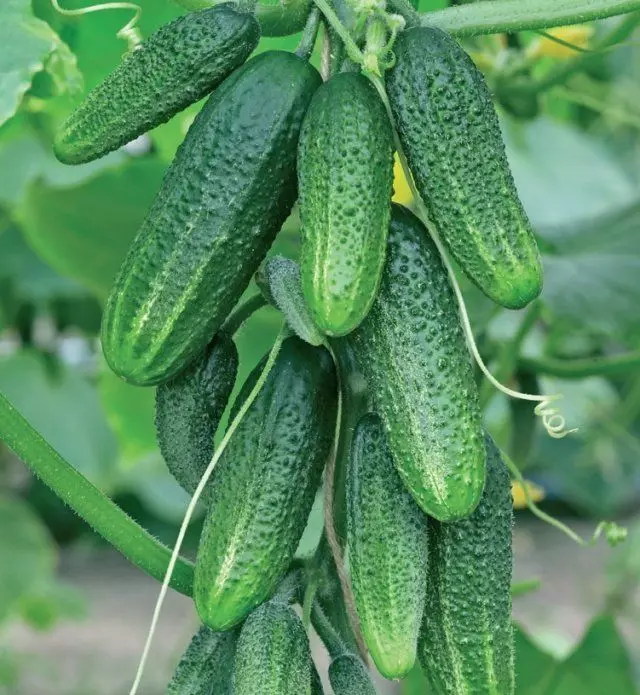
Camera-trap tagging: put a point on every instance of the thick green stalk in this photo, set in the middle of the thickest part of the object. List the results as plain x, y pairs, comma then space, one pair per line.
581, 368
92, 505
498, 16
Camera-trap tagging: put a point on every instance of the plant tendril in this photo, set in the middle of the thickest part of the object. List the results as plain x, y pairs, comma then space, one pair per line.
129, 33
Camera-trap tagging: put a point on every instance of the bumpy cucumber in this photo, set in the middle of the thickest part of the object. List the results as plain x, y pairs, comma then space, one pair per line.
345, 178
466, 644
387, 540
206, 667
262, 491
189, 408
412, 352
451, 136
226, 195
273, 656
175, 67
348, 676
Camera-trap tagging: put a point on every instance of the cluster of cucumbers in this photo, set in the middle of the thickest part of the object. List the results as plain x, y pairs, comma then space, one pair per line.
375, 372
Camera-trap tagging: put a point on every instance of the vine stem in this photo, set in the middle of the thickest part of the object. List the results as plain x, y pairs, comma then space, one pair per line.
196, 496
581, 368
332, 18
552, 420
88, 502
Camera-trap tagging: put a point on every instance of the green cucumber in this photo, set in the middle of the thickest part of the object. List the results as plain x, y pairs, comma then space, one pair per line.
450, 134
412, 352
176, 66
345, 178
206, 667
263, 488
466, 645
226, 195
189, 408
273, 655
387, 541
348, 676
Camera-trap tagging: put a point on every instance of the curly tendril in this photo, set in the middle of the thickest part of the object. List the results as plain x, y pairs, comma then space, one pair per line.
130, 32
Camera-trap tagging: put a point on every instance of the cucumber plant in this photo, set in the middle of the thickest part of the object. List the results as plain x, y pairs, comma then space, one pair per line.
369, 394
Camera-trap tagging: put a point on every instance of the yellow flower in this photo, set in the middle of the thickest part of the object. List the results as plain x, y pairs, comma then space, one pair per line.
536, 493
401, 190
578, 35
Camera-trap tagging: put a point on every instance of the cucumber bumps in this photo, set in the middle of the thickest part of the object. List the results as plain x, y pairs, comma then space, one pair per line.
451, 136
345, 175
466, 646
412, 352
226, 195
262, 491
175, 67
387, 540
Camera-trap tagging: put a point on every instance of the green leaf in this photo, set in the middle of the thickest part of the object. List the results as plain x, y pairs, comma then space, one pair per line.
64, 407
497, 16
84, 231
27, 553
26, 43
534, 668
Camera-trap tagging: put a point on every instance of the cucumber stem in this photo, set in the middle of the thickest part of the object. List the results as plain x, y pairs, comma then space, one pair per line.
90, 503
309, 35
196, 496
332, 18
243, 313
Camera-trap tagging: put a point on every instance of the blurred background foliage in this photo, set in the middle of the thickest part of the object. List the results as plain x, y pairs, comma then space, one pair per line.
572, 126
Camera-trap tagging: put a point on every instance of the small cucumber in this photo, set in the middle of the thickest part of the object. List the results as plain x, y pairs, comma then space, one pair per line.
348, 676
206, 667
450, 134
223, 200
345, 178
387, 541
412, 352
262, 490
176, 66
467, 644
189, 408
273, 655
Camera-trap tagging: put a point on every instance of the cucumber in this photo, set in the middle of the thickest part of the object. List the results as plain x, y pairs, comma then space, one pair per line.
263, 488
206, 667
412, 353
176, 66
348, 676
387, 541
450, 134
223, 200
467, 645
189, 408
345, 179
273, 656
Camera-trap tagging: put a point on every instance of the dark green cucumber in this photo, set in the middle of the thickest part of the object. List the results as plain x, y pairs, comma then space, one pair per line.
412, 352
345, 178
189, 408
451, 136
387, 541
273, 656
176, 66
348, 676
263, 488
206, 667
466, 645
226, 195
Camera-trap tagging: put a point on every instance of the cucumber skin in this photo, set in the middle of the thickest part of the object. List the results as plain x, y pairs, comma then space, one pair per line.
412, 352
450, 133
176, 66
221, 204
466, 645
387, 540
264, 486
206, 667
189, 408
273, 655
345, 179
348, 676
